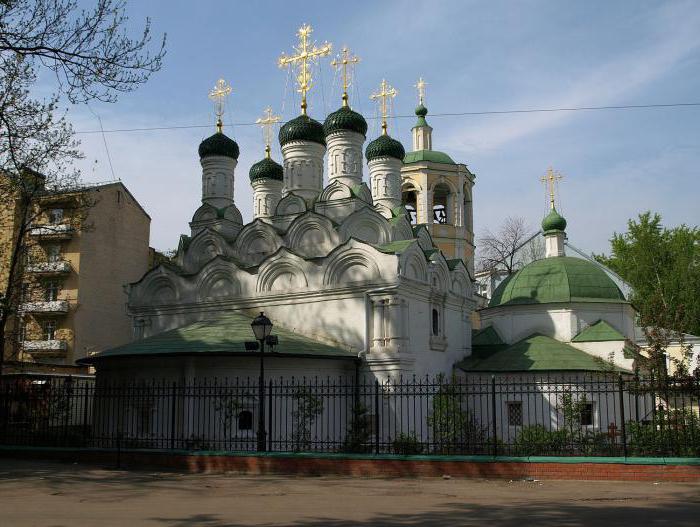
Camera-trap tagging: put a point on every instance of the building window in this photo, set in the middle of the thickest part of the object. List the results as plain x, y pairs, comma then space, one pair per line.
586, 416
436, 322
53, 253
51, 289
48, 329
409, 201
245, 420
441, 203
515, 413
55, 216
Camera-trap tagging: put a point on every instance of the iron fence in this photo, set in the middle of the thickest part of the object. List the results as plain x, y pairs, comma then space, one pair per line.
519, 415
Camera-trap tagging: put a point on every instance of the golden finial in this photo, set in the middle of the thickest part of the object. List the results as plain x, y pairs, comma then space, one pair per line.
266, 122
420, 86
385, 92
306, 53
551, 180
341, 62
218, 94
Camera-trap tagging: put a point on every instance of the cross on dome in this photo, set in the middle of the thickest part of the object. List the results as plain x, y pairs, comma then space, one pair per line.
551, 180
341, 63
305, 54
385, 93
218, 94
266, 122
420, 86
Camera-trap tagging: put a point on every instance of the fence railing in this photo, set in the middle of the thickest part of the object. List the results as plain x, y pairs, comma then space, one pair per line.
475, 415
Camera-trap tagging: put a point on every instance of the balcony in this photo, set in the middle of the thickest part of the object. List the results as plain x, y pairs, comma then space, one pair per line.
44, 345
50, 268
53, 307
54, 231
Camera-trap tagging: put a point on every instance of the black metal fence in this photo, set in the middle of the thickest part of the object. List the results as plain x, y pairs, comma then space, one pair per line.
525, 415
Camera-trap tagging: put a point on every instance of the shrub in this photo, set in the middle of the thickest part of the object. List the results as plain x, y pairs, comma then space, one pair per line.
407, 445
536, 440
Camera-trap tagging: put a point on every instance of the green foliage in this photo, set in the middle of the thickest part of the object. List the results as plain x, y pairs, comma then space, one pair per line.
307, 408
663, 267
670, 433
407, 445
454, 429
357, 439
536, 440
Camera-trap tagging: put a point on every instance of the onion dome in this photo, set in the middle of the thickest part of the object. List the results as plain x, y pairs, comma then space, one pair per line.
421, 112
555, 280
553, 222
345, 119
266, 169
385, 146
302, 128
219, 145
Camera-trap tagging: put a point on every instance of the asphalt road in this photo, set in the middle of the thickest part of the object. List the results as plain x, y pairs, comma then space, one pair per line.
37, 493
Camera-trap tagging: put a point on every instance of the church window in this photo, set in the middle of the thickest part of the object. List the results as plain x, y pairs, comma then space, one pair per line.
586, 416
245, 420
441, 200
515, 413
409, 201
436, 322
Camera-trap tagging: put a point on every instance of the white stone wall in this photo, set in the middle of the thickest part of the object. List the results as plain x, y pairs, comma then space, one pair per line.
217, 180
303, 168
385, 182
266, 195
345, 157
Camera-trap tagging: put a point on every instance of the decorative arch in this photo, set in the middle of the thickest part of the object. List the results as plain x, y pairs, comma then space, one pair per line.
424, 238
461, 282
439, 273
312, 235
412, 263
204, 247
255, 242
159, 289
205, 212
283, 271
218, 282
367, 225
443, 206
290, 204
401, 229
350, 264
363, 192
335, 191
410, 191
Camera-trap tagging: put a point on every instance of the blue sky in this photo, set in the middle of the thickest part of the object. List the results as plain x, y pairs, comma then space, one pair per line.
475, 56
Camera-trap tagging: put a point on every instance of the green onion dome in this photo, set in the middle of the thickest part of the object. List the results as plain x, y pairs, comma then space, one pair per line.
553, 222
384, 146
345, 119
266, 169
219, 145
421, 110
302, 128
556, 280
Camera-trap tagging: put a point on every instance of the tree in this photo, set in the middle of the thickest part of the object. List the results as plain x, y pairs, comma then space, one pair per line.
510, 248
92, 57
663, 267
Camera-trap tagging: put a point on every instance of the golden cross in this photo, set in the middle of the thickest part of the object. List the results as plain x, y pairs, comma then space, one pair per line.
420, 86
306, 53
266, 123
551, 180
386, 92
341, 62
218, 94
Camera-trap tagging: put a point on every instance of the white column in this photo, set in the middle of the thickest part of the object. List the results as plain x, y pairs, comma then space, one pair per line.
385, 180
217, 180
266, 195
303, 168
345, 157
554, 244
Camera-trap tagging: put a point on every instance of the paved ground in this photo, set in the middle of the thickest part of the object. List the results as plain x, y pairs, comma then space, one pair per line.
34, 493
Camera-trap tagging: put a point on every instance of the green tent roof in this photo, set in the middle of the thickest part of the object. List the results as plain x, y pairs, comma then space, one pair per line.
557, 279
486, 337
224, 335
601, 331
428, 155
534, 353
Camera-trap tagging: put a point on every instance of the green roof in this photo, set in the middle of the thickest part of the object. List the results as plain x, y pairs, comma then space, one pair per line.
486, 337
395, 247
222, 336
557, 279
266, 169
302, 128
384, 146
534, 353
219, 145
601, 331
345, 119
553, 222
433, 156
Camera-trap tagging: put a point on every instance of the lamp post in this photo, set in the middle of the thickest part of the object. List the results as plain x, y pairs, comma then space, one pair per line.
262, 327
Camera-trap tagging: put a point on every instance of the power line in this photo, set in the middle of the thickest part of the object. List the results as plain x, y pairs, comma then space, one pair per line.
449, 114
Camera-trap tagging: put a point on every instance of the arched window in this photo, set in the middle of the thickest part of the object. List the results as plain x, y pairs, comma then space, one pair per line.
467, 210
245, 420
409, 200
436, 322
441, 204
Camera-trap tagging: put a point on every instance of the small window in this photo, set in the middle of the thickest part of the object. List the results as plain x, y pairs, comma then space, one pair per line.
586, 417
48, 329
53, 253
55, 216
515, 413
436, 322
245, 420
51, 289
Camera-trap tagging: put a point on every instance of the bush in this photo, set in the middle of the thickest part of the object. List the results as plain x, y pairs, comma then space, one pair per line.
357, 439
671, 433
407, 445
536, 440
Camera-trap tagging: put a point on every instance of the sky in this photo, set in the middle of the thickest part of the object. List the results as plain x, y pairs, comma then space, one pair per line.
475, 56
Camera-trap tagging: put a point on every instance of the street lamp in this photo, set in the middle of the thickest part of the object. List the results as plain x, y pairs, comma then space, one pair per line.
262, 327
